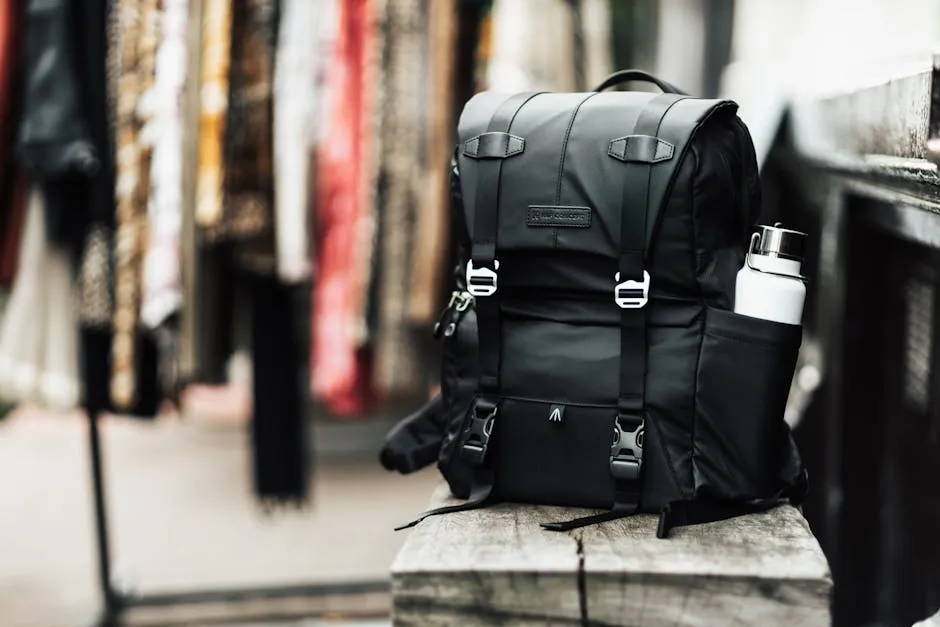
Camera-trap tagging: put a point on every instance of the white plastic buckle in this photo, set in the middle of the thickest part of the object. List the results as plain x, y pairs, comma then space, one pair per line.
632, 294
481, 281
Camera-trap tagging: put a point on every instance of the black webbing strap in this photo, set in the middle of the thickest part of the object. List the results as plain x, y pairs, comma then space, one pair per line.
482, 275
631, 294
682, 513
482, 283
479, 496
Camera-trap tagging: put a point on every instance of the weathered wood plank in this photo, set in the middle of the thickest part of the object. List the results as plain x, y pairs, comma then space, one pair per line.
496, 566
762, 569
472, 569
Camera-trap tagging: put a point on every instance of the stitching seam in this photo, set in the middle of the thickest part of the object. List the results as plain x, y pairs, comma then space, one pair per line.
561, 161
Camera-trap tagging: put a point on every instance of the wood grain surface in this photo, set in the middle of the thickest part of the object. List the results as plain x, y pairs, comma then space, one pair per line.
496, 566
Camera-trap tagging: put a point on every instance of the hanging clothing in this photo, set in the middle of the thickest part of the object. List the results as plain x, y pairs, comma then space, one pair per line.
13, 226
370, 80
38, 343
163, 132
400, 368
280, 394
248, 197
429, 260
96, 267
532, 46
12, 25
213, 101
598, 47
136, 55
341, 374
63, 141
295, 111
54, 140
11, 29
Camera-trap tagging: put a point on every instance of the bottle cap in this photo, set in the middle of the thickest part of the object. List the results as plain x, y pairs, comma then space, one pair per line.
776, 241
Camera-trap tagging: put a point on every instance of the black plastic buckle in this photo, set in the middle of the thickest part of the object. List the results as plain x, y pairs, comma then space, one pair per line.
477, 434
626, 453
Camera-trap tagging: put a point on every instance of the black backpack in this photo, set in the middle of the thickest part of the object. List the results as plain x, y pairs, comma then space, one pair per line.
591, 355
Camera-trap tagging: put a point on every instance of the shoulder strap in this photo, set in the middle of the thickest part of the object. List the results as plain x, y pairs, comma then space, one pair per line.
631, 293
482, 270
490, 148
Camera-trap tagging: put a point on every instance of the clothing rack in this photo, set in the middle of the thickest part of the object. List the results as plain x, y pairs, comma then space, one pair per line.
117, 601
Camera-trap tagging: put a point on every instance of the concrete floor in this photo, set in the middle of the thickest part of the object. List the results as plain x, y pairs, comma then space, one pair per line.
182, 517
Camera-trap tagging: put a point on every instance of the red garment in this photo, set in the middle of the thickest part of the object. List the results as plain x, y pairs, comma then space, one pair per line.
12, 194
13, 225
11, 27
341, 372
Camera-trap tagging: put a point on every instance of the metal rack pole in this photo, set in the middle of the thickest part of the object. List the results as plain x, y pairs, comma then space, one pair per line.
115, 602
109, 598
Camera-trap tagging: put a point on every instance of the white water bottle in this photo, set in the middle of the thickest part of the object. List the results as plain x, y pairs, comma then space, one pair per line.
770, 285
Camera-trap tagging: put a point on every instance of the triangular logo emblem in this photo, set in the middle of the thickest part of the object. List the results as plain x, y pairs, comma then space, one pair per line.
557, 414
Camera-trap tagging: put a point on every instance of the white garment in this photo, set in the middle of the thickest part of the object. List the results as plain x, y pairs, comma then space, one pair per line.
39, 334
304, 24
532, 47
161, 106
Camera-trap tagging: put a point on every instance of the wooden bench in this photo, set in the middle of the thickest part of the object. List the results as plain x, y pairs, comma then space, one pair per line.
498, 567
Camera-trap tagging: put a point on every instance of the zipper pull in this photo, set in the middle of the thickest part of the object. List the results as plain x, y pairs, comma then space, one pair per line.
436, 332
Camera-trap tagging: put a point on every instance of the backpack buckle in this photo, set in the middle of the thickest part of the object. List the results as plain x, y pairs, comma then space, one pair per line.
626, 453
481, 281
477, 438
632, 294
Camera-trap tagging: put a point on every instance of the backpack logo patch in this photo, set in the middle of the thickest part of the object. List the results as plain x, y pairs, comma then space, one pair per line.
558, 217
556, 414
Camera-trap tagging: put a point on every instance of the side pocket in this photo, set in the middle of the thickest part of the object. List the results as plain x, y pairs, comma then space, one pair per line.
744, 374
459, 377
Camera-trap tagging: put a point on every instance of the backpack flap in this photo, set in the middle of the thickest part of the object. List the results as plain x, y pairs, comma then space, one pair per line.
563, 163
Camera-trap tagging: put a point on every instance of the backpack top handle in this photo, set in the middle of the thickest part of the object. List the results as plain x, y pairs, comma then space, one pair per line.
638, 75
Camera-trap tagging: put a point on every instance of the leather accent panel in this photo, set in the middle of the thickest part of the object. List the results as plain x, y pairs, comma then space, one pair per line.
493, 146
640, 149
558, 217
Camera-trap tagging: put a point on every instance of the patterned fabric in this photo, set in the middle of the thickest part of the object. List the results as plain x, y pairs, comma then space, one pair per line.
162, 290
399, 363
248, 199
96, 266
94, 279
139, 21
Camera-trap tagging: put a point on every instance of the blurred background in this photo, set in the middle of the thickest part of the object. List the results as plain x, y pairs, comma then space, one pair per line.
225, 237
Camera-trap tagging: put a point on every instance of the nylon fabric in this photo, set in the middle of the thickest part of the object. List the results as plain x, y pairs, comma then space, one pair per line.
709, 384
483, 251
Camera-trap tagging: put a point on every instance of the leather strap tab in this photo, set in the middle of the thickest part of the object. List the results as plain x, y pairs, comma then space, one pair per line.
493, 145
640, 149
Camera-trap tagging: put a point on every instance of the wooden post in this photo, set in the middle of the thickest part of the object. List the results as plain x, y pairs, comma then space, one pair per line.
497, 566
